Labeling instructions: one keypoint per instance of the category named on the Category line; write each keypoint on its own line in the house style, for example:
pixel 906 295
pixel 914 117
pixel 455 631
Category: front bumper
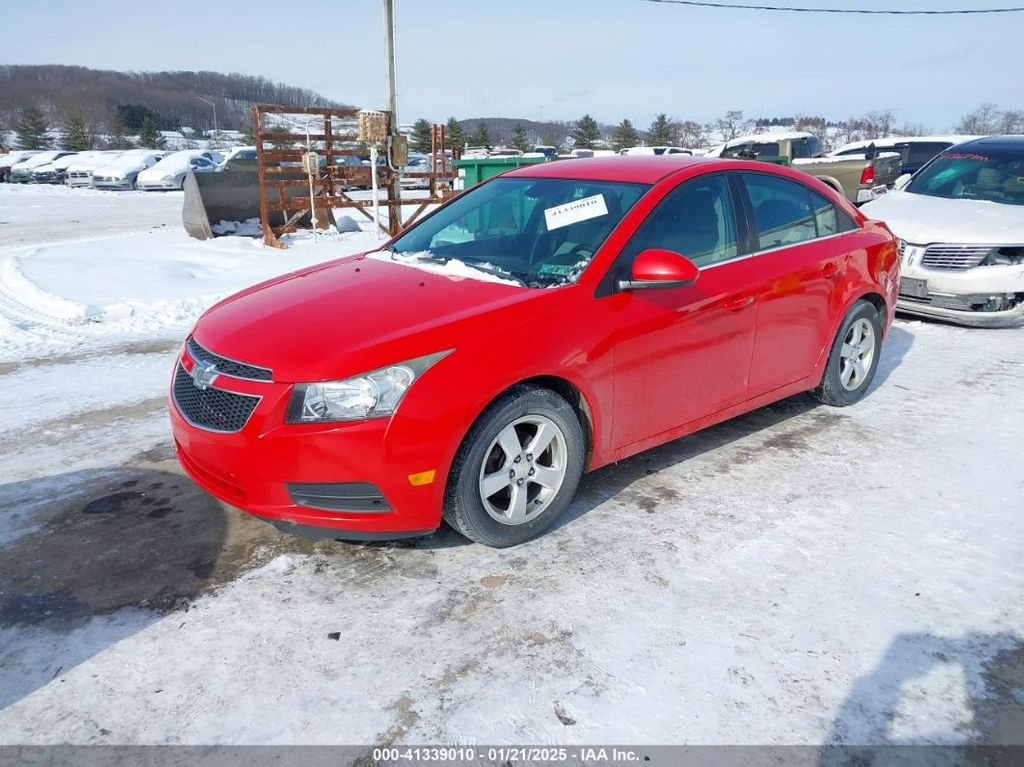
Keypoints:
pixel 161 185
pixel 951 293
pixel 124 183
pixel 1001 319
pixel 257 468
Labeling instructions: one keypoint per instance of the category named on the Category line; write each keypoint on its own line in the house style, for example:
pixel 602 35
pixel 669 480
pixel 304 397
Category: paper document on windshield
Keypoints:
pixel 575 211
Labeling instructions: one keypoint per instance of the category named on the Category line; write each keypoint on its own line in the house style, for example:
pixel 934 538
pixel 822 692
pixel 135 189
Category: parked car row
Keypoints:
pixel 146 169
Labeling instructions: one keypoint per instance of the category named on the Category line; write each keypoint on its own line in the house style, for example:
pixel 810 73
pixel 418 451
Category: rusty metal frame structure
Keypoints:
pixel 284 187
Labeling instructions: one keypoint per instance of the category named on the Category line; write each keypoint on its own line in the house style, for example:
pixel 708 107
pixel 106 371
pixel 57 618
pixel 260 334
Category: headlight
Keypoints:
pixel 370 395
pixel 1009 256
pixel 169 178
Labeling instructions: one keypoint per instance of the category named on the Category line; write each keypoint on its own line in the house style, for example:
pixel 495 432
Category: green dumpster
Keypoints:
pixel 472 172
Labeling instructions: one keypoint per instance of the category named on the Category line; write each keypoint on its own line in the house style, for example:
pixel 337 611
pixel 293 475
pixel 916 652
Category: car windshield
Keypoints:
pixel 993 175
pixel 539 232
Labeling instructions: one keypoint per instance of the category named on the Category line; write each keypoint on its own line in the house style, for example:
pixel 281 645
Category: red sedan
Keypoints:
pixel 544 323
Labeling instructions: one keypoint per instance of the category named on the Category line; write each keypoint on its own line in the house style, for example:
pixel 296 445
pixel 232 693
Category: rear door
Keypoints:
pixel 800 260
pixel 682 353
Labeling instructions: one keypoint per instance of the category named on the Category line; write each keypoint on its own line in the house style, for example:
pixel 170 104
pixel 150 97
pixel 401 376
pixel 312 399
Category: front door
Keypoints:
pixel 683 353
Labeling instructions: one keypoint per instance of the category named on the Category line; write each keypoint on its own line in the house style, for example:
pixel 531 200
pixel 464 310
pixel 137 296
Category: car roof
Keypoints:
pixel 994 142
pixel 644 169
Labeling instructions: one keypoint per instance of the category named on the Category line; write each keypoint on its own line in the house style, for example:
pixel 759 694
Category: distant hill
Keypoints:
pixel 500 129
pixel 168 98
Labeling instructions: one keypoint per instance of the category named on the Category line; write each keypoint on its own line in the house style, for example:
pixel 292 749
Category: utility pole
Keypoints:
pixel 395 190
pixel 212 104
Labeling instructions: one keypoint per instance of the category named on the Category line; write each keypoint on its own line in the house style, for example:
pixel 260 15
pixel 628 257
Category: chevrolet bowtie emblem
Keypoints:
pixel 204 374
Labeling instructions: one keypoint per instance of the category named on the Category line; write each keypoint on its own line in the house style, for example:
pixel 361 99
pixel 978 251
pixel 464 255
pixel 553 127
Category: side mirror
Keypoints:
pixel 902 181
pixel 658 268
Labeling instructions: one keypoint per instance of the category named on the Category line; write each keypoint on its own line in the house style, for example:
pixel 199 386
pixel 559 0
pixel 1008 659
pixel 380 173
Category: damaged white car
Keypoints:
pixel 960 228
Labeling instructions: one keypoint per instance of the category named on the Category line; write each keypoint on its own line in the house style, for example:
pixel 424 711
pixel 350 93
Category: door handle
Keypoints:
pixel 735 304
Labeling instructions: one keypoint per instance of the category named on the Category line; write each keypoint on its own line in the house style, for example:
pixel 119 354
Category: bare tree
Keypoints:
pixel 732 125
pixel 877 124
pixel 983 120
pixel 1012 121
pixel 691 134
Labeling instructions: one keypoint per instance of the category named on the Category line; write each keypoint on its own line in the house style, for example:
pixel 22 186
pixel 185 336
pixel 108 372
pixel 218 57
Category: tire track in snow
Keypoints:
pixel 28 318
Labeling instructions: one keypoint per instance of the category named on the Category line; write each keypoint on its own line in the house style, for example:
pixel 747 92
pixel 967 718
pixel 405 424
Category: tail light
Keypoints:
pixel 867 176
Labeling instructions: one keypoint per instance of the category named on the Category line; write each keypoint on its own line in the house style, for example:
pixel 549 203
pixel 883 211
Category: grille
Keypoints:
pixel 227 366
pixel 211 408
pixel 955 256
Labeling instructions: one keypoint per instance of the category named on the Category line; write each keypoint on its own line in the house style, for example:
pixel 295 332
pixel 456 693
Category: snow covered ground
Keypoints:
pixel 798 575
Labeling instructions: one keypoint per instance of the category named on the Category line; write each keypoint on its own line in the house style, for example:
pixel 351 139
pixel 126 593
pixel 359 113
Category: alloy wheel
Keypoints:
pixel 523 470
pixel 857 354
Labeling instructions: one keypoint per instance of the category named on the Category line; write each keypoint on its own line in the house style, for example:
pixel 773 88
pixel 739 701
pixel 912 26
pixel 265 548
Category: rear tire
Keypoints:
pixel 853 359
pixel 517 469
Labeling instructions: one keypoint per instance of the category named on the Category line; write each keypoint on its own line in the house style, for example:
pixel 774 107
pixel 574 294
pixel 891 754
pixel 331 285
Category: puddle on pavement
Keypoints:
pixel 141 536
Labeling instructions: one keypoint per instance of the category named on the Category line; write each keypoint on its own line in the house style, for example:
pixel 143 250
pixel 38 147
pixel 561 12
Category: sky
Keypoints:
pixel 557 59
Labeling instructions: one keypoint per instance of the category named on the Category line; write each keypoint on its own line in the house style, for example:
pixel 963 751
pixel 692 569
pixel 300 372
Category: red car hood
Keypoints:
pixel 349 316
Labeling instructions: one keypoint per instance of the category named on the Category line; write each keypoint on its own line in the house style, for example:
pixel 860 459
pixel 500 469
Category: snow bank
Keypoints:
pixel 145 285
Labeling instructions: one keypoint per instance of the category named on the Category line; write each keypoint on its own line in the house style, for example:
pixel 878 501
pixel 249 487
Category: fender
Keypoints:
pixel 832 182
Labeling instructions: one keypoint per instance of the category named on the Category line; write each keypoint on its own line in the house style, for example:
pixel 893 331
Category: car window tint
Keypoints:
pixel 825 215
pixel 807 146
pixel 782 210
pixel 920 153
pixel 760 150
pixel 695 220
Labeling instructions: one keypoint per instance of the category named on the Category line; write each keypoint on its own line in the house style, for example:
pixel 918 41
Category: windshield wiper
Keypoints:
pixel 486 268
pixel 497 271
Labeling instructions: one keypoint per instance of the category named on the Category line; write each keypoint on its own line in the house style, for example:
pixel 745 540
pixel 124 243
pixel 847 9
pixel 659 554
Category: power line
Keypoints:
pixel 862 11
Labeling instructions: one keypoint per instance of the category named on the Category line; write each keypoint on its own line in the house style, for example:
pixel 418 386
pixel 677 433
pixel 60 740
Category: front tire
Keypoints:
pixel 517 469
pixel 853 359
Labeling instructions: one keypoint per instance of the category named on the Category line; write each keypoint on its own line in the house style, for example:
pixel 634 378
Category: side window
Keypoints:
pixel 695 220
pixel 825 215
pixel 829 218
pixel 799 148
pixel 921 153
pixel 782 210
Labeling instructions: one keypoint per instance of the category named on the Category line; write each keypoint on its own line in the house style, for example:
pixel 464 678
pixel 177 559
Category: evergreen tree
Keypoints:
pixel 480 136
pixel 453 134
pixel 420 141
pixel 150 137
pixel 585 132
pixel 248 133
pixel 625 135
pixel 31 129
pixel 519 140
pixel 118 139
pixel 75 137
pixel 661 132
